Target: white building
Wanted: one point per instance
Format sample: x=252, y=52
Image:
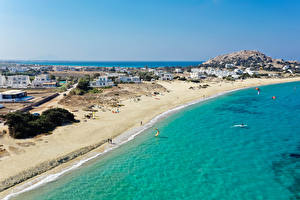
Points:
x=236, y=76
x=129, y=79
x=197, y=75
x=286, y=67
x=178, y=70
x=18, y=69
x=2, y=81
x=121, y=69
x=250, y=71
x=3, y=68
x=195, y=70
x=40, y=79
x=14, y=96
x=102, y=81
x=42, y=68
x=60, y=68
x=17, y=81
x=166, y=77
x=238, y=71
x=229, y=66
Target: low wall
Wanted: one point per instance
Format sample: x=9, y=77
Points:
x=40, y=102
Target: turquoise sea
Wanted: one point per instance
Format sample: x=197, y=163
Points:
x=136, y=64
x=199, y=155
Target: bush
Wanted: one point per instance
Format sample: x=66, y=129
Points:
x=147, y=76
x=255, y=76
x=195, y=81
x=25, y=125
x=229, y=78
x=95, y=91
x=245, y=75
x=83, y=84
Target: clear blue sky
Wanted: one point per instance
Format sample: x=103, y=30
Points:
x=106, y=30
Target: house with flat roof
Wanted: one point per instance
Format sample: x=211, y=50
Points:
x=129, y=79
x=18, y=81
x=43, y=80
x=102, y=81
x=197, y=75
x=18, y=69
x=178, y=70
x=14, y=96
x=166, y=76
x=40, y=79
x=2, y=81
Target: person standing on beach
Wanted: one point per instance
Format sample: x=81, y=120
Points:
x=141, y=123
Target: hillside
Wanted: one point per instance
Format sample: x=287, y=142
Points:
x=249, y=58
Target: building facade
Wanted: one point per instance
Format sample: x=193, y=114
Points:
x=18, y=81
x=102, y=81
x=13, y=96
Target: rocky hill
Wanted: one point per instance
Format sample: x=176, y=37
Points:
x=249, y=58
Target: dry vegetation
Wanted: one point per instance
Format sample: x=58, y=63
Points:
x=111, y=97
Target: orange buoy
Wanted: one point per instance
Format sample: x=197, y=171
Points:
x=257, y=88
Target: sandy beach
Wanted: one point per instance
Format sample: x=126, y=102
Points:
x=89, y=136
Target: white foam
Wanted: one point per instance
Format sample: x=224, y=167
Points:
x=118, y=141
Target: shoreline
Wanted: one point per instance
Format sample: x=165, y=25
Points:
x=83, y=155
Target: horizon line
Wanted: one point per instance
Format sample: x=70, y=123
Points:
x=37, y=60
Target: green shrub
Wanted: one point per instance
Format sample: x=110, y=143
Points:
x=95, y=91
x=25, y=125
x=195, y=81
x=147, y=76
x=83, y=84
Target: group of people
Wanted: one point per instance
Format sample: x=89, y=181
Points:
x=109, y=140
x=117, y=111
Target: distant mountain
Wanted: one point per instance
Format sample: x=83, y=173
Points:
x=249, y=58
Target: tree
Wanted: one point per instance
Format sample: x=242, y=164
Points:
x=52, y=77
x=96, y=75
x=83, y=84
x=18, y=124
x=25, y=125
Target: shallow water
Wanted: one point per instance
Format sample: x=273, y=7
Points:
x=200, y=155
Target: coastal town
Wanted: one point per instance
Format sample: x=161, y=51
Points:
x=25, y=76
x=110, y=99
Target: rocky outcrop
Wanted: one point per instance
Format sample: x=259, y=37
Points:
x=241, y=58
x=250, y=58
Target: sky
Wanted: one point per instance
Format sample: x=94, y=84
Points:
x=147, y=30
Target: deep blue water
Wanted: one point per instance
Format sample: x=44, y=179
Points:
x=150, y=64
x=200, y=155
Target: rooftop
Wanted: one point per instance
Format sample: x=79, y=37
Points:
x=49, y=83
x=11, y=92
